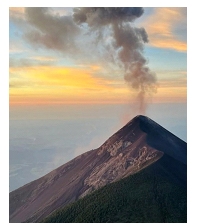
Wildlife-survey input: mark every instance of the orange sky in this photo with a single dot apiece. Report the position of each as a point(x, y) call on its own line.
point(45, 85)
point(38, 75)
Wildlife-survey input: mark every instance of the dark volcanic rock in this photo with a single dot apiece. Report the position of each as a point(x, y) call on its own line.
point(137, 145)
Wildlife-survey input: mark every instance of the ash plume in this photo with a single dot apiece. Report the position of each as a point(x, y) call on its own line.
point(128, 44)
point(52, 32)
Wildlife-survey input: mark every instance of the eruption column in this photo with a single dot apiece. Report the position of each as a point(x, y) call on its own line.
point(128, 44)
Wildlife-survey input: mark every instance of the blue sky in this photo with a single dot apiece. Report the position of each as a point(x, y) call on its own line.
point(47, 46)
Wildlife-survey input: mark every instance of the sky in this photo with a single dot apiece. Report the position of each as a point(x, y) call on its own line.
point(77, 75)
point(54, 58)
point(88, 71)
point(43, 75)
point(40, 140)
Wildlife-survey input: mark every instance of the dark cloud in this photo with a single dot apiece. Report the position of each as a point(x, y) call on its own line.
point(97, 16)
point(51, 31)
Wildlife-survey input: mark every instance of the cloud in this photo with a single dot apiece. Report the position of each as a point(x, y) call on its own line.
point(66, 77)
point(15, 83)
point(17, 12)
point(103, 42)
point(16, 47)
point(173, 79)
point(50, 85)
point(41, 27)
point(102, 16)
point(18, 81)
point(51, 31)
point(30, 62)
point(161, 26)
point(39, 58)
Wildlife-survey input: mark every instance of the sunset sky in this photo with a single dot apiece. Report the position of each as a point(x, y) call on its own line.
point(54, 61)
point(62, 70)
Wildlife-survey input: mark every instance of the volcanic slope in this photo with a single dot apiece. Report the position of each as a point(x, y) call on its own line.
point(148, 196)
point(140, 143)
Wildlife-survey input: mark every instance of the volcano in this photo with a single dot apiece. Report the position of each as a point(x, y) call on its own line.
point(141, 145)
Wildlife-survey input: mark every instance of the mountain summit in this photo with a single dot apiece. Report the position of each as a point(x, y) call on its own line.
point(140, 144)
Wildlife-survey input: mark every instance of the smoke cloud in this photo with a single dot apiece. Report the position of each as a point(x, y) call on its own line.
point(128, 44)
point(113, 41)
point(53, 32)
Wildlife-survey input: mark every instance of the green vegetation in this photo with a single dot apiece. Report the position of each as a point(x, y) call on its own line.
point(143, 197)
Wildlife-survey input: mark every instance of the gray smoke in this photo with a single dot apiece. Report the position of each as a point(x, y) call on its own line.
point(53, 32)
point(128, 44)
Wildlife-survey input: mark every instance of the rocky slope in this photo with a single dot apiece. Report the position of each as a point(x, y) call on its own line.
point(137, 145)
point(148, 196)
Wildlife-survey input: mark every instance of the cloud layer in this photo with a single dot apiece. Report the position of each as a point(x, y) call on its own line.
point(161, 27)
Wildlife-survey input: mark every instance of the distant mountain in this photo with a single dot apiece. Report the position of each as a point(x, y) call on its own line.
point(141, 144)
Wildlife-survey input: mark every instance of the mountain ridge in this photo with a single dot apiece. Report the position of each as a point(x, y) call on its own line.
point(135, 146)
point(146, 196)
